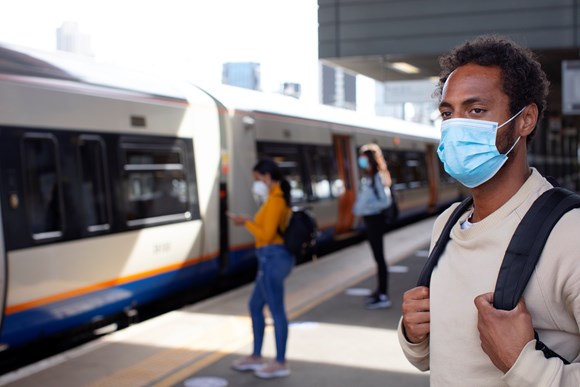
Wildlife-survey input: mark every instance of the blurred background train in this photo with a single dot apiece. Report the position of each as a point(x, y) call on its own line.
point(114, 186)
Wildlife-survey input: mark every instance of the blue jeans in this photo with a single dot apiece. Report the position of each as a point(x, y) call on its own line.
point(274, 265)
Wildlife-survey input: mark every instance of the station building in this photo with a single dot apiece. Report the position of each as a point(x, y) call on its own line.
point(394, 40)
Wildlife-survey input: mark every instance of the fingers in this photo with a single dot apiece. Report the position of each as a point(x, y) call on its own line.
point(503, 333)
point(418, 293)
point(483, 302)
point(416, 304)
point(416, 315)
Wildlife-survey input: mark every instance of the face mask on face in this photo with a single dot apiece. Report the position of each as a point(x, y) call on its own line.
point(468, 151)
point(260, 190)
point(363, 162)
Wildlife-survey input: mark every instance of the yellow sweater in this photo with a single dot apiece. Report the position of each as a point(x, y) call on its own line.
point(273, 215)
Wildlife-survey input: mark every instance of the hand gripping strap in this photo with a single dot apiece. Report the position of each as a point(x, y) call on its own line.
point(425, 276)
point(525, 249)
point(527, 244)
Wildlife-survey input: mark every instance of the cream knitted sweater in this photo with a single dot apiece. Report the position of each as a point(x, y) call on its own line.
point(469, 267)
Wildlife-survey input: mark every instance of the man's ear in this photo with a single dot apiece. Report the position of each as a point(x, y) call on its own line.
point(528, 120)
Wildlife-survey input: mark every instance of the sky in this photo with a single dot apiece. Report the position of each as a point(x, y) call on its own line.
point(185, 39)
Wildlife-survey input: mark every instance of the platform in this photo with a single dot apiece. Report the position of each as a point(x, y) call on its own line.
point(333, 341)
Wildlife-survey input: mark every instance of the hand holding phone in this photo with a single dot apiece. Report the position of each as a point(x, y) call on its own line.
point(236, 218)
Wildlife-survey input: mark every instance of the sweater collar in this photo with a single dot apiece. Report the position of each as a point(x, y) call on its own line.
point(519, 203)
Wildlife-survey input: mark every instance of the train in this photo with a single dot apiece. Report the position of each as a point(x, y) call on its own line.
point(114, 185)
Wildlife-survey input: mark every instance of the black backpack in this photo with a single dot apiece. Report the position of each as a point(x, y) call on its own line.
point(523, 251)
point(301, 232)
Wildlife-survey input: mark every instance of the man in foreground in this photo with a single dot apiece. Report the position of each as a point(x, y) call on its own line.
point(492, 95)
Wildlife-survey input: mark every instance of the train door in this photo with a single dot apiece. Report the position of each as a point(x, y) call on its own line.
point(3, 280)
point(432, 177)
point(342, 149)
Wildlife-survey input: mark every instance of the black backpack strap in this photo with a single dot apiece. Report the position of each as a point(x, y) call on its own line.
point(425, 276)
point(525, 249)
point(548, 353)
point(527, 244)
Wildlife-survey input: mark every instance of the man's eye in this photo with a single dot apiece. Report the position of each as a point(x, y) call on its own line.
point(445, 114)
point(478, 110)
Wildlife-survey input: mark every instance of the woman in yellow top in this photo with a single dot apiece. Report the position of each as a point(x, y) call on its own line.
point(274, 264)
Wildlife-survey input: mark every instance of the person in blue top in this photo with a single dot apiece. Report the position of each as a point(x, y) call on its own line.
point(373, 199)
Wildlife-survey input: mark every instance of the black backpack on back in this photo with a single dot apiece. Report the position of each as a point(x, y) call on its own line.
point(301, 232)
point(523, 251)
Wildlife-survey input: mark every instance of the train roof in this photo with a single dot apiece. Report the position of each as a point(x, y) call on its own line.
point(236, 98)
point(21, 61)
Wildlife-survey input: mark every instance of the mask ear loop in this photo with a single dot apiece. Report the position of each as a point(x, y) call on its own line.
point(515, 143)
point(513, 146)
point(514, 116)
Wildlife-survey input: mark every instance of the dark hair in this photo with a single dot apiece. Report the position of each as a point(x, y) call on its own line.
point(374, 168)
point(372, 161)
point(270, 167)
point(523, 80)
point(377, 162)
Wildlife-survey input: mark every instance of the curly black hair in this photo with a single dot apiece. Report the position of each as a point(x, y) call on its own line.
point(523, 79)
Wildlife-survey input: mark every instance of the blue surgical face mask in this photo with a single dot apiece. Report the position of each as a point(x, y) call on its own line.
point(468, 151)
point(363, 162)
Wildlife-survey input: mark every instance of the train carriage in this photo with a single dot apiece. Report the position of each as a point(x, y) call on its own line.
point(316, 148)
point(114, 185)
point(103, 207)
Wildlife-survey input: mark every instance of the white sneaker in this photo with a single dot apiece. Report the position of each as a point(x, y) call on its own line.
point(273, 370)
point(248, 363)
point(380, 302)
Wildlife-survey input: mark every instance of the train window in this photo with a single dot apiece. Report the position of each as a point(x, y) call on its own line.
point(395, 163)
point(416, 169)
point(42, 186)
point(94, 183)
point(157, 184)
point(408, 169)
point(288, 157)
point(310, 169)
point(322, 172)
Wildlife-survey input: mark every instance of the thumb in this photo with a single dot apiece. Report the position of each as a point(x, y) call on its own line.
point(484, 301)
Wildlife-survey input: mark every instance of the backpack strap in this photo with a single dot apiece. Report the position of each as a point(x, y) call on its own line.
point(527, 244)
point(522, 253)
point(525, 249)
point(425, 276)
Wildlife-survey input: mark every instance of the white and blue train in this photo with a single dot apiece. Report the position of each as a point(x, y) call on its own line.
point(114, 186)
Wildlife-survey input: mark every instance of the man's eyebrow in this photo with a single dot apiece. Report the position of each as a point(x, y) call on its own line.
point(468, 101)
point(444, 104)
point(472, 100)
